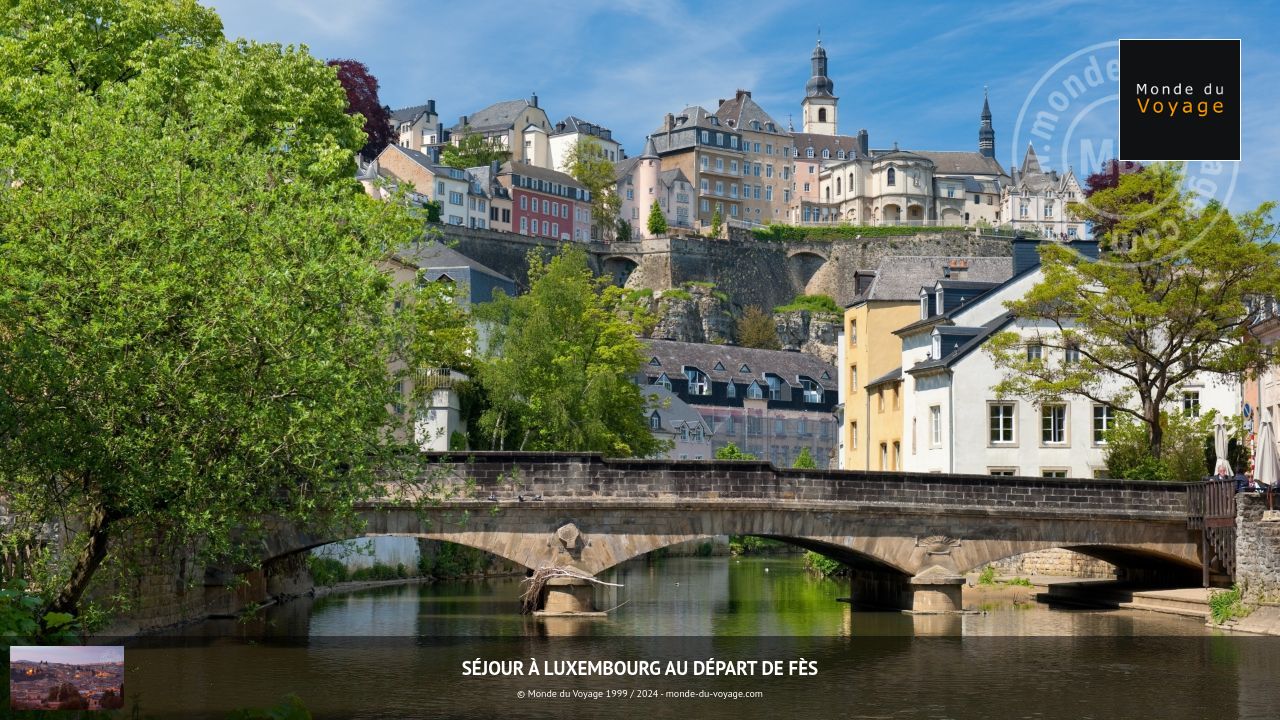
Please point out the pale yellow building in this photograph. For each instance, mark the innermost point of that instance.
(871, 374)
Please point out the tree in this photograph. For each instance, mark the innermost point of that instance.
(1108, 177)
(562, 358)
(731, 452)
(757, 330)
(362, 98)
(586, 162)
(716, 222)
(623, 231)
(209, 350)
(473, 150)
(657, 221)
(805, 460)
(1166, 303)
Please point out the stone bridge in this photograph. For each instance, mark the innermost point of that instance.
(909, 537)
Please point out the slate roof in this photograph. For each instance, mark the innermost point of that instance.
(833, 143)
(624, 167)
(695, 115)
(672, 411)
(740, 111)
(421, 159)
(1031, 177)
(573, 124)
(533, 171)
(978, 334)
(894, 374)
(673, 356)
(498, 116)
(408, 114)
(437, 255)
(947, 162)
(901, 277)
(670, 177)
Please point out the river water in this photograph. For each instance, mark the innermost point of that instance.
(399, 652)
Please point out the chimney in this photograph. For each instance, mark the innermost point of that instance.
(533, 99)
(462, 121)
(1026, 253)
(431, 107)
(864, 142)
(671, 121)
(742, 92)
(1087, 248)
(957, 268)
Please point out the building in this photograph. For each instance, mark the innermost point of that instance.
(436, 262)
(708, 153)
(461, 200)
(518, 126)
(954, 422)
(1036, 200)
(819, 106)
(570, 130)
(546, 203)
(673, 420)
(871, 365)
(641, 181)
(486, 177)
(769, 403)
(811, 152)
(767, 150)
(418, 128)
(1262, 389)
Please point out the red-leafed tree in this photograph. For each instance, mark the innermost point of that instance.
(1109, 175)
(362, 97)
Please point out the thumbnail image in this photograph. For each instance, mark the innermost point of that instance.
(66, 678)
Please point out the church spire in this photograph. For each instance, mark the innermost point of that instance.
(986, 133)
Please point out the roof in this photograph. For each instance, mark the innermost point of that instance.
(498, 116)
(892, 375)
(948, 284)
(624, 167)
(533, 171)
(437, 255)
(833, 143)
(673, 356)
(743, 113)
(1031, 177)
(411, 113)
(694, 115)
(978, 334)
(421, 159)
(948, 162)
(901, 277)
(573, 124)
(670, 177)
(673, 412)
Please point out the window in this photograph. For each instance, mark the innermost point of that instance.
(655, 422)
(706, 206)
(706, 163)
(779, 428)
(755, 426)
(733, 166)
(1072, 353)
(524, 225)
(730, 390)
(884, 456)
(826, 154)
(951, 191)
(1001, 423)
(698, 383)
(663, 381)
(754, 391)
(1002, 471)
(806, 187)
(775, 386)
(720, 164)
(1191, 403)
(812, 390)
(822, 114)
(935, 426)
(1048, 208)
(440, 187)
(892, 177)
(1034, 351)
(1104, 419)
(1053, 424)
(853, 434)
(1053, 473)
(706, 136)
(546, 227)
(546, 207)
(719, 187)
(897, 455)
(809, 153)
(733, 211)
(744, 369)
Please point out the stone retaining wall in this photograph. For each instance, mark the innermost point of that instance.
(1257, 548)
(1057, 562)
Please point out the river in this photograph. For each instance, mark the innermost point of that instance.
(399, 652)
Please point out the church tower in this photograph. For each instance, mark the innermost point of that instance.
(819, 105)
(986, 133)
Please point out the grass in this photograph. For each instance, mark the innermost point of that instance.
(812, 303)
(326, 570)
(1227, 605)
(987, 576)
(677, 294)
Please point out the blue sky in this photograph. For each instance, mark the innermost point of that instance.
(911, 73)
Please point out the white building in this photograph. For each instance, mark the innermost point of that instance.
(570, 130)
(953, 421)
(1036, 200)
(518, 126)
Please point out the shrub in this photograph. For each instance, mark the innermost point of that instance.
(1227, 605)
(812, 303)
(677, 294)
(378, 571)
(1182, 456)
(752, 545)
(1019, 581)
(987, 576)
(824, 565)
(326, 570)
(452, 561)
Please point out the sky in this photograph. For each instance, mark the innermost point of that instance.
(910, 73)
(68, 654)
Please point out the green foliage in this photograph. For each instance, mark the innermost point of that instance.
(677, 294)
(379, 571)
(657, 221)
(987, 576)
(731, 452)
(756, 329)
(812, 303)
(453, 561)
(326, 571)
(24, 620)
(823, 565)
(472, 150)
(622, 230)
(442, 333)
(706, 549)
(1227, 605)
(798, 233)
(805, 460)
(1019, 581)
(716, 223)
(193, 331)
(290, 708)
(1182, 459)
(639, 295)
(433, 210)
(559, 376)
(1166, 304)
(585, 160)
(752, 545)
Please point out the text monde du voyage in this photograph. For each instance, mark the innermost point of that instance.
(1180, 99)
(637, 668)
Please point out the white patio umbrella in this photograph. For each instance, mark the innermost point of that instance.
(1266, 467)
(1221, 463)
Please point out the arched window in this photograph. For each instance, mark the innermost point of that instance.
(850, 182)
(822, 114)
(655, 421)
(698, 382)
(837, 186)
(893, 177)
(812, 390)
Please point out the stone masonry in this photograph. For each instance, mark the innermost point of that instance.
(1257, 548)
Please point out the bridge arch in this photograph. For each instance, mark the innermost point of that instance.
(618, 268)
(802, 265)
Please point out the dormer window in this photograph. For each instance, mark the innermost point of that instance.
(937, 346)
(655, 421)
(663, 380)
(754, 391)
(812, 390)
(937, 300)
(698, 382)
(924, 305)
(826, 154)
(808, 153)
